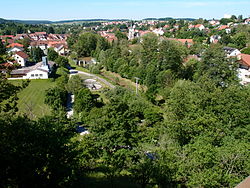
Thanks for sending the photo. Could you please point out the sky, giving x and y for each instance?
(56, 10)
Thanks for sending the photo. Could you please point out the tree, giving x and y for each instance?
(8, 95)
(84, 101)
(2, 48)
(56, 98)
(36, 54)
(86, 44)
(240, 40)
(217, 67)
(240, 18)
(50, 30)
(246, 50)
(120, 35)
(171, 56)
(75, 84)
(52, 54)
(39, 155)
(233, 17)
(61, 61)
(25, 42)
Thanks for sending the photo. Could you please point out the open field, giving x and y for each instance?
(31, 99)
(114, 77)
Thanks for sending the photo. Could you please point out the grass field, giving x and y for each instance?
(31, 99)
(122, 81)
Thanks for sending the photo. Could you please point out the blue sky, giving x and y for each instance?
(130, 9)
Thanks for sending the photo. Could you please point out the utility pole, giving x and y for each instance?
(136, 81)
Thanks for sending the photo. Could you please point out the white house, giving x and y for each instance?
(61, 50)
(200, 27)
(21, 58)
(40, 70)
(158, 31)
(215, 39)
(231, 52)
(15, 49)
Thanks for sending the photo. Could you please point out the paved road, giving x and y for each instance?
(74, 72)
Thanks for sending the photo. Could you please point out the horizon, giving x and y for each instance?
(111, 9)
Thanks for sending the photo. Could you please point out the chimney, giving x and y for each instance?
(44, 61)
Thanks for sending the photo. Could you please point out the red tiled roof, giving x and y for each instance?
(6, 36)
(144, 32)
(190, 41)
(245, 59)
(14, 44)
(198, 25)
(40, 33)
(22, 54)
(223, 27)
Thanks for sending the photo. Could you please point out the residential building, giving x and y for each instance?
(231, 52)
(21, 58)
(41, 70)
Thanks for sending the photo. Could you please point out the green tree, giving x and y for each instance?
(84, 101)
(86, 44)
(56, 98)
(52, 54)
(39, 155)
(75, 84)
(240, 40)
(62, 61)
(217, 67)
(2, 48)
(36, 54)
(246, 50)
(120, 35)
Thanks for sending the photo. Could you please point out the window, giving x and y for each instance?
(36, 75)
(40, 75)
(32, 75)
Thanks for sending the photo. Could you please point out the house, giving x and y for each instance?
(231, 52)
(214, 22)
(188, 42)
(15, 49)
(41, 70)
(158, 31)
(15, 45)
(244, 69)
(215, 39)
(225, 27)
(244, 61)
(200, 27)
(61, 49)
(247, 21)
(21, 58)
(86, 61)
(6, 67)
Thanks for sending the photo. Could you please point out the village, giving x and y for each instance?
(20, 65)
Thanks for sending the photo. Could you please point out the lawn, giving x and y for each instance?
(114, 77)
(31, 99)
